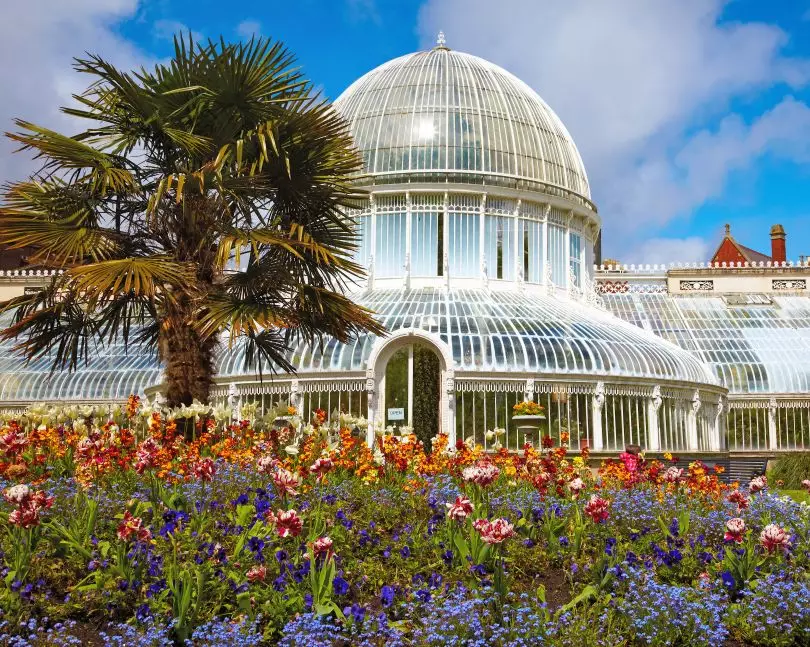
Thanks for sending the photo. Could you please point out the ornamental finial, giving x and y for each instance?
(440, 41)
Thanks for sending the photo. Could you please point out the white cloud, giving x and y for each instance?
(670, 250)
(247, 29)
(38, 41)
(631, 79)
(167, 29)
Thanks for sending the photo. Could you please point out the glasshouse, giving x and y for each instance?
(480, 242)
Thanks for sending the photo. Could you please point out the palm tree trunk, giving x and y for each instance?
(189, 360)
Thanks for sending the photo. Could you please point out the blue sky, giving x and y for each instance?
(688, 114)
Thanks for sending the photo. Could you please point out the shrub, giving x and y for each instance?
(792, 469)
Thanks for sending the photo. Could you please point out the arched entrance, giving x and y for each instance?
(412, 394)
(410, 383)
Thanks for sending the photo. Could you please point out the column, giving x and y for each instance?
(718, 437)
(518, 239)
(773, 436)
(482, 248)
(567, 256)
(449, 406)
(546, 279)
(408, 242)
(371, 390)
(372, 244)
(653, 435)
(232, 401)
(597, 404)
(691, 422)
(446, 240)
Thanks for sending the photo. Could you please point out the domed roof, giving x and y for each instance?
(505, 331)
(451, 112)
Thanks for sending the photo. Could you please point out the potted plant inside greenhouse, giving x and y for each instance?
(527, 417)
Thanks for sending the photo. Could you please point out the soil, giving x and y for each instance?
(558, 592)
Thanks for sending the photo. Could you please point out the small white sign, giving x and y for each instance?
(396, 413)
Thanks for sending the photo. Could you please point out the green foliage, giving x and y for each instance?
(426, 385)
(792, 469)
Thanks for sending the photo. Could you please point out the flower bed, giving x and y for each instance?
(118, 531)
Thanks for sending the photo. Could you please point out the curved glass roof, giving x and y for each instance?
(113, 372)
(502, 332)
(751, 348)
(451, 112)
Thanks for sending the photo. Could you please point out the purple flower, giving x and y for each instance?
(340, 586)
(387, 595)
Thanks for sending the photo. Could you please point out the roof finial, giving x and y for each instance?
(728, 229)
(440, 41)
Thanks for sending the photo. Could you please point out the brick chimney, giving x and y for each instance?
(778, 250)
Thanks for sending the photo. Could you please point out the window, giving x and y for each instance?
(464, 245)
(425, 244)
(500, 237)
(532, 251)
(389, 258)
(556, 254)
(575, 257)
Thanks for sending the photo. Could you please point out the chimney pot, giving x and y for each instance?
(778, 246)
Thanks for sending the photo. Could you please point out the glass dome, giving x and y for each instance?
(448, 112)
(505, 332)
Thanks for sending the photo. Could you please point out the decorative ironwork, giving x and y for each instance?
(500, 386)
(657, 399)
(599, 396)
(697, 286)
(696, 403)
(630, 287)
(789, 284)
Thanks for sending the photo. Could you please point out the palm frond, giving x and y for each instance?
(68, 153)
(143, 277)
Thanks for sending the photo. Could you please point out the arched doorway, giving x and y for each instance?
(410, 383)
(413, 390)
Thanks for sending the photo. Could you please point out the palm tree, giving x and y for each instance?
(206, 199)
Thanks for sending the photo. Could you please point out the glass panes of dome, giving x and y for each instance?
(448, 111)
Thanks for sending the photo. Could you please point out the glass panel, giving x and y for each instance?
(463, 245)
(575, 251)
(532, 251)
(389, 259)
(424, 244)
(500, 247)
(556, 254)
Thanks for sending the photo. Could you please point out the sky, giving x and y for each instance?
(689, 114)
